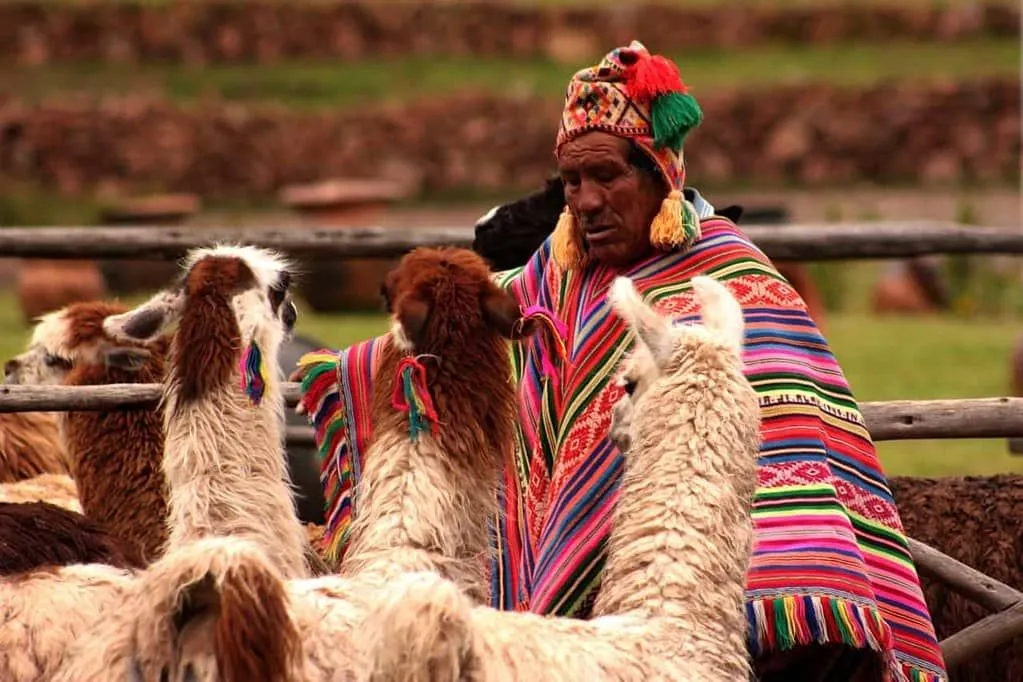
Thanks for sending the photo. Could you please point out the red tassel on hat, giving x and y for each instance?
(652, 76)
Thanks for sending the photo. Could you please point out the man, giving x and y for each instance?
(832, 591)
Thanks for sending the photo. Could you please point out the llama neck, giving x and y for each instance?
(417, 513)
(682, 533)
(116, 461)
(424, 505)
(226, 471)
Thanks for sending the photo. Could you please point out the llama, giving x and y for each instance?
(425, 493)
(115, 455)
(672, 597)
(30, 445)
(223, 453)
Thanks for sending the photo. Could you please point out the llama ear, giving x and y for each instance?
(130, 359)
(411, 315)
(502, 312)
(721, 312)
(148, 320)
(651, 329)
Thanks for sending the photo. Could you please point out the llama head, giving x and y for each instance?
(72, 336)
(229, 298)
(663, 348)
(440, 298)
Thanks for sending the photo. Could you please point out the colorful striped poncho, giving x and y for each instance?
(830, 563)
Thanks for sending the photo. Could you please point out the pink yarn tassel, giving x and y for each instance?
(552, 339)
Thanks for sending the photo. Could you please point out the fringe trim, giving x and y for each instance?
(321, 399)
(783, 622)
(913, 673)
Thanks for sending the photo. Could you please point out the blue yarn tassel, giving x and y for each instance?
(253, 371)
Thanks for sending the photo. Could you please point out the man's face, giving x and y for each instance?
(613, 202)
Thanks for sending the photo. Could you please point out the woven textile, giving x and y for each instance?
(830, 562)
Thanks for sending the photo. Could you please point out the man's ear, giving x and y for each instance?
(130, 359)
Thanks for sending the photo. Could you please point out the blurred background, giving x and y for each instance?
(294, 112)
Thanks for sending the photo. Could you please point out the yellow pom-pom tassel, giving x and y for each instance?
(567, 246)
(676, 225)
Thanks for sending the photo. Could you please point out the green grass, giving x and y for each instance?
(337, 84)
(884, 359)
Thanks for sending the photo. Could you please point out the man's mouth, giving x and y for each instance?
(599, 233)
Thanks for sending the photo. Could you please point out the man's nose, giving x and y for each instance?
(590, 199)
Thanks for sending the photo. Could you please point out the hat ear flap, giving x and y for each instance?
(567, 243)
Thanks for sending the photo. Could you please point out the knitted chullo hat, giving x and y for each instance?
(641, 97)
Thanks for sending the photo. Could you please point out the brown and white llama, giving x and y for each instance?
(671, 604)
(115, 455)
(224, 462)
(425, 498)
(427, 485)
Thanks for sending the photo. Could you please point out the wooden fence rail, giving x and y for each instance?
(811, 242)
(886, 420)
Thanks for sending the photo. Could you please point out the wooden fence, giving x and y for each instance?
(896, 420)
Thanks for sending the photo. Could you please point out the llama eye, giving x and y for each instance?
(276, 296)
(629, 385)
(52, 360)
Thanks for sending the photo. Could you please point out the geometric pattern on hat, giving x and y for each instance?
(598, 98)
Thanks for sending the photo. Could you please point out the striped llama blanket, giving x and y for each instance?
(830, 562)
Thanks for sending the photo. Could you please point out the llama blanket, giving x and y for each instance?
(830, 562)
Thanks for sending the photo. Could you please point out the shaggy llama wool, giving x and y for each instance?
(671, 604)
(979, 521)
(56, 489)
(30, 445)
(38, 534)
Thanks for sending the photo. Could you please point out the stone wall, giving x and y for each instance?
(811, 135)
(261, 31)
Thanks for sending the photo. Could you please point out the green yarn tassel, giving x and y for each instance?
(672, 116)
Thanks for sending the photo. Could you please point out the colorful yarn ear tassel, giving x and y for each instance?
(411, 395)
(253, 373)
(552, 338)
